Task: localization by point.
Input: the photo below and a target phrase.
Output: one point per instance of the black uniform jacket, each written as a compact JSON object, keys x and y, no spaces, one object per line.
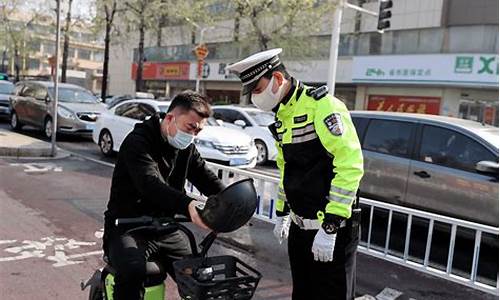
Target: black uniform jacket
{"x":150,"y":174}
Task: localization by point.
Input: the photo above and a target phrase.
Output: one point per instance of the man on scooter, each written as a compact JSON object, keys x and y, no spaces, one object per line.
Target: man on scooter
{"x":154,"y":162}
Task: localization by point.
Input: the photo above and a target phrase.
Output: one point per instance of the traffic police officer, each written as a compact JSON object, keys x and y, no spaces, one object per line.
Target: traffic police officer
{"x":321,"y":165}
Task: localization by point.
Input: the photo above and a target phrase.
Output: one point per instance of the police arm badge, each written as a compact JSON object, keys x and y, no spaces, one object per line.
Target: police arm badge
{"x":334,"y":123}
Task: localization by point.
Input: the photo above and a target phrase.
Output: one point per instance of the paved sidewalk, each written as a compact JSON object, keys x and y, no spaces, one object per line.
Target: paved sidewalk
{"x":19,"y":145}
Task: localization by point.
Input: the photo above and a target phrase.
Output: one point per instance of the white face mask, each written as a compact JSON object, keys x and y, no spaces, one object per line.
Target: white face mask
{"x":266,"y":100}
{"x":181,"y":140}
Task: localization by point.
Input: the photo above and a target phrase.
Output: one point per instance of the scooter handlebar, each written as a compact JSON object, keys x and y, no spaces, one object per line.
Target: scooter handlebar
{"x":145,"y":220}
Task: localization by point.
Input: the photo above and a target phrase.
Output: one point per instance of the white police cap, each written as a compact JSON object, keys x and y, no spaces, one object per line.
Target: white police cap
{"x":252,"y":68}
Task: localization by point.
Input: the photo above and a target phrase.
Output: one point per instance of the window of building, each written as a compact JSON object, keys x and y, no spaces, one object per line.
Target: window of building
{"x":71,"y":52}
{"x":49,"y":48}
{"x":33,"y":64}
{"x":84,"y":54}
{"x":388,"y":137}
{"x":34,"y":46}
{"x":98,"y":56}
{"x":452,"y":149}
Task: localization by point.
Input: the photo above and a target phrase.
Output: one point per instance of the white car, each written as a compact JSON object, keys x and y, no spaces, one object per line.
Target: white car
{"x":254,"y":122}
{"x":215,"y":143}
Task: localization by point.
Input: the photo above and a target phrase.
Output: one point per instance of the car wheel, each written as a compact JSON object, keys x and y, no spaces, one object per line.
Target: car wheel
{"x":14,"y":121}
{"x":261,"y":152}
{"x":47,"y":128}
{"x":106,"y":143}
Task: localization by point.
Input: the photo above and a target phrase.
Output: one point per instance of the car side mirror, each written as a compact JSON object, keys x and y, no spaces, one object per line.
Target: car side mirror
{"x":240,"y":123}
{"x":487,"y":167}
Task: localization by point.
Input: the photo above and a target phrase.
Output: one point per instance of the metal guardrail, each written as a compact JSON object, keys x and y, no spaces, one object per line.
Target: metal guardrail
{"x":267,"y":190}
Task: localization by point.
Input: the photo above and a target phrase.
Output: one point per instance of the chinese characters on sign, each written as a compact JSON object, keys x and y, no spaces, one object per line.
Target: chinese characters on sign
{"x":449,"y":69}
{"x":165,"y":71}
{"x":409,"y":104}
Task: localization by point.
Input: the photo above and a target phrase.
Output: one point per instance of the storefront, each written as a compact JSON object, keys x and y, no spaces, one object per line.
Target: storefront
{"x":456,"y":85}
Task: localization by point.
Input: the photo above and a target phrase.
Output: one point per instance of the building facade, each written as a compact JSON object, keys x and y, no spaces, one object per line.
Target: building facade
{"x":85,"y":55}
{"x":438,"y":57}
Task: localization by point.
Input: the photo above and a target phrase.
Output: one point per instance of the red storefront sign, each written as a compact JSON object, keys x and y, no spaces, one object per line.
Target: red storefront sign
{"x":163,"y":71}
{"x":410,"y":104}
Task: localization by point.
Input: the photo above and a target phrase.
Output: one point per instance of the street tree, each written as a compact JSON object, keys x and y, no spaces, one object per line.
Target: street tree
{"x":141,"y":16}
{"x":66,"y":30}
{"x":104,"y":20}
{"x":16,"y":32}
{"x":290,"y":24}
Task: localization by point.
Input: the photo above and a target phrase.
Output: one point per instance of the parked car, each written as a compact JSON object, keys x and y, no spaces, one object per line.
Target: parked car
{"x":253,"y":122}
{"x":77,"y":108}
{"x":215,"y":143}
{"x":434,"y":163}
{"x":6,"y":90}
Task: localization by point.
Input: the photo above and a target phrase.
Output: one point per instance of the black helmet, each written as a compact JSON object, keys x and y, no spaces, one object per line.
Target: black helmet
{"x":231,"y":208}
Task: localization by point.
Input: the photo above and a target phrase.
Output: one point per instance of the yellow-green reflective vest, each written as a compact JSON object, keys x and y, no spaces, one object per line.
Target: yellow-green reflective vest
{"x":319,"y":156}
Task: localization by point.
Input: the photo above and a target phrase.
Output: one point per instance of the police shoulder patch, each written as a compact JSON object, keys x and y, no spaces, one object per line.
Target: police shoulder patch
{"x":334,"y":123}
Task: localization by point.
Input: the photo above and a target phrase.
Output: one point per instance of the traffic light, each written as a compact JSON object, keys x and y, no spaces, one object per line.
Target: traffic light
{"x":384,"y":14}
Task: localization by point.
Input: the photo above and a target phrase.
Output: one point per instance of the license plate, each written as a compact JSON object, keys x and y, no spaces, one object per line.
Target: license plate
{"x":89,"y":126}
{"x":237,"y":161}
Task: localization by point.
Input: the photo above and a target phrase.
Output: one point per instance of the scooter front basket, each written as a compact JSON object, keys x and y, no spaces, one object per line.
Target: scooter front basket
{"x":219,"y":277}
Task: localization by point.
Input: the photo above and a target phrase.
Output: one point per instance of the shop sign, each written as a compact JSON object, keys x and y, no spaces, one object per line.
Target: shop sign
{"x":409,"y":104}
{"x":443,"y":69}
{"x":212,"y":71}
{"x":163,"y":71}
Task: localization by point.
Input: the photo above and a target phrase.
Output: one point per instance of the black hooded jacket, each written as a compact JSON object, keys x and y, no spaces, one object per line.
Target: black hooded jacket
{"x":150,"y":175}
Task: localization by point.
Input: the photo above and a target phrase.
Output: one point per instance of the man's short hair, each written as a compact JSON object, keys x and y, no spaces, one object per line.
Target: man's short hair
{"x":190,"y":100}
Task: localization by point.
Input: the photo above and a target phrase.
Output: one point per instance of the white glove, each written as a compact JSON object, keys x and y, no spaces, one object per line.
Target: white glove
{"x":323,"y":246}
{"x":281,"y":228}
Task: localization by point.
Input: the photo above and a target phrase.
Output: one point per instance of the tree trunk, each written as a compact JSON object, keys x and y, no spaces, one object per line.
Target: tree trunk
{"x":64,"y":65}
{"x":107,"y":38}
{"x":138,"y":76}
{"x":16,"y":62}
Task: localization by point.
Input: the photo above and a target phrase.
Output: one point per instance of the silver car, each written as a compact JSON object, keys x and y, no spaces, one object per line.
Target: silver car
{"x":444,"y":165}
{"x":6,"y":90}
{"x":77,"y":108}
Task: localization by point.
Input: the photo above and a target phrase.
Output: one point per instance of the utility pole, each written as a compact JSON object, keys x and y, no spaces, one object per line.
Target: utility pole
{"x":56,"y":81}
{"x":334,"y":45}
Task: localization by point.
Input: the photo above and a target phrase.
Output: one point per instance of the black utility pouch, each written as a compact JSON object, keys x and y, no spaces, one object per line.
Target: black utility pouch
{"x":355,"y":221}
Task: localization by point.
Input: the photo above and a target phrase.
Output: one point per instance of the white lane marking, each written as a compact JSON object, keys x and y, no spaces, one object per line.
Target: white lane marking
{"x":7,"y":241}
{"x":388,"y":294}
{"x":42,"y":248}
{"x":38,"y":167}
{"x":99,"y":233}
{"x":91,"y":159}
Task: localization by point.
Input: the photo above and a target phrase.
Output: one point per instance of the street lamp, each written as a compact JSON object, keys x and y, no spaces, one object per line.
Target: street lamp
{"x":201,"y":51}
{"x":56,"y":81}
{"x":200,"y":59}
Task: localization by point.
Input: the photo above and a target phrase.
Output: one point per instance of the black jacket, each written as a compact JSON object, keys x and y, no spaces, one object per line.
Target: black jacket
{"x":150,"y":175}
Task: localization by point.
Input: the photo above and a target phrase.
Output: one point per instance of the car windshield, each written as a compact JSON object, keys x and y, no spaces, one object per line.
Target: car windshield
{"x":212,"y":122}
{"x":490,"y":134}
{"x":261,"y":118}
{"x":163,"y":108}
{"x":74,"y":95}
{"x":6,"y":88}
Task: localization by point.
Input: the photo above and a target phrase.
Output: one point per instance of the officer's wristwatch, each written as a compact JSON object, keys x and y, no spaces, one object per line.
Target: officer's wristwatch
{"x":330,"y":228}
{"x":331,"y":224}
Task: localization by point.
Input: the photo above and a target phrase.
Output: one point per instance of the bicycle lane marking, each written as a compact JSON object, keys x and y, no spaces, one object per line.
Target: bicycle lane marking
{"x":43,"y":248}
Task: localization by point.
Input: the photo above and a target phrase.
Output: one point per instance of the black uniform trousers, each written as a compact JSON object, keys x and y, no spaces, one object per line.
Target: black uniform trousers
{"x":314,"y":280}
{"x":128,"y":254}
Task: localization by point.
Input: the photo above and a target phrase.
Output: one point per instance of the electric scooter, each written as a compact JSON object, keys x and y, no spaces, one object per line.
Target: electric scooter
{"x":198,"y":277}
